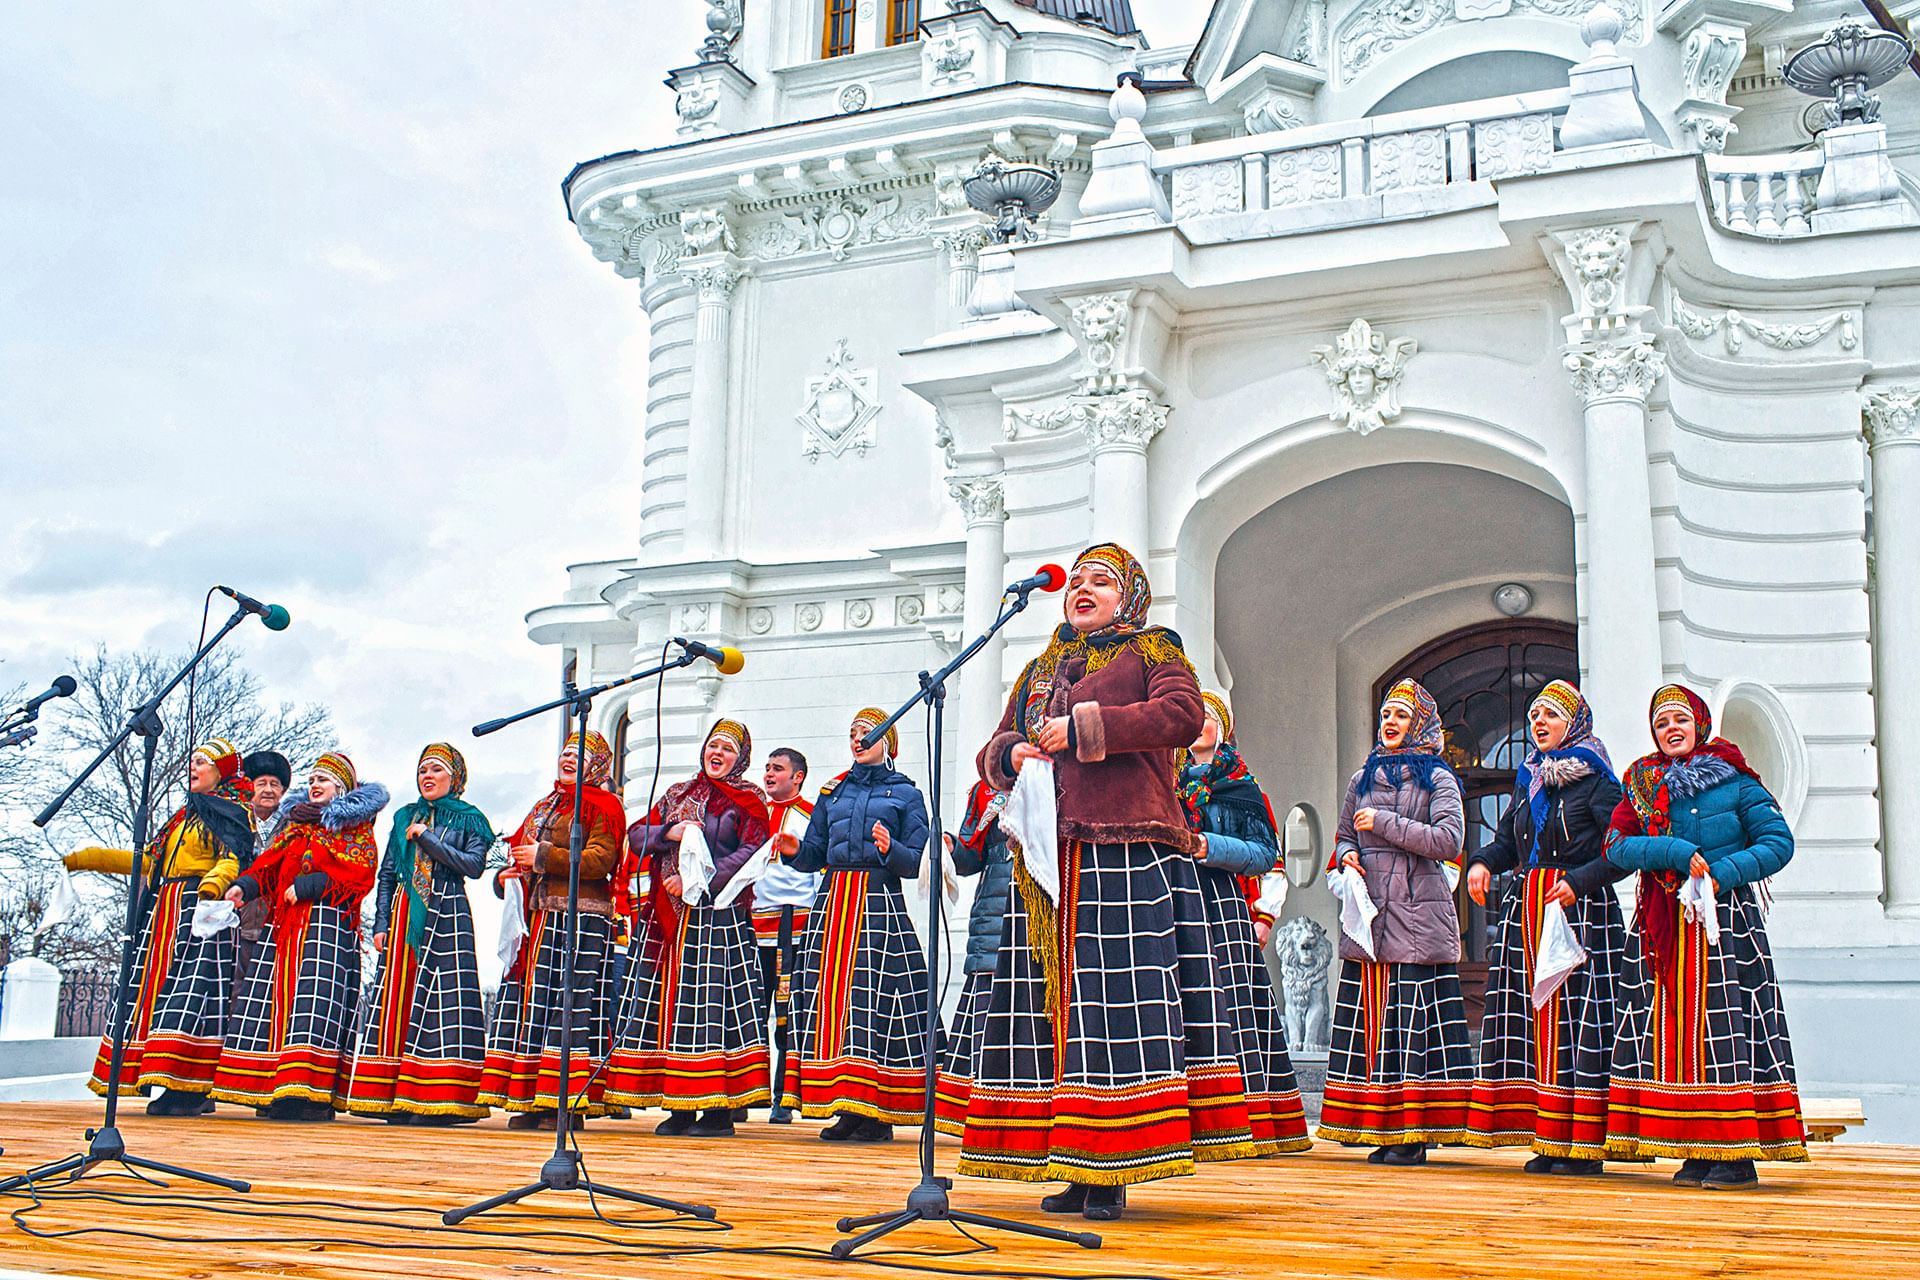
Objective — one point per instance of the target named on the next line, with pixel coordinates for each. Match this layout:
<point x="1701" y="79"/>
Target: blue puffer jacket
<point x="992" y="897"/>
<point x="840" y="833"/>
<point x="1725" y="816"/>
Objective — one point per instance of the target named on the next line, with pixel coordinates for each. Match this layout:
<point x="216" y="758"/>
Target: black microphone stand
<point x="928" y="1201"/>
<point x="106" y="1143"/>
<point x="562" y="1170"/>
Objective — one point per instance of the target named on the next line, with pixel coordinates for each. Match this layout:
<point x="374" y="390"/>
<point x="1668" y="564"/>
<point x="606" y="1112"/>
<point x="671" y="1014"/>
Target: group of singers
<point x="1117" y="1023"/>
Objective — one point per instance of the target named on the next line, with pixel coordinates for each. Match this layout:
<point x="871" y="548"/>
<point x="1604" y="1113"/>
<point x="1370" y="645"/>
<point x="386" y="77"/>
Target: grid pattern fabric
<point x="291" y="1031"/>
<point x="1543" y="1073"/>
<point x="955" y="1082"/>
<point x="531" y="1015"/>
<point x="1400" y="1070"/>
<point x="1274" y="1110"/>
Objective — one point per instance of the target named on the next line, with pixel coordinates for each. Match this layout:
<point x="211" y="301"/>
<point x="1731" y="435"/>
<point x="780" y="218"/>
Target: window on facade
<point x="836" y="31"/>
<point x="903" y="21"/>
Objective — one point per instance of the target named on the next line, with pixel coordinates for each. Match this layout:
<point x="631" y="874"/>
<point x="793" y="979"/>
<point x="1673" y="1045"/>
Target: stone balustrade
<point x="1772" y="195"/>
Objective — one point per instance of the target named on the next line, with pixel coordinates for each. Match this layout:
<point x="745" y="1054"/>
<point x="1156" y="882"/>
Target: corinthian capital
<point x="714" y="280"/>
<point x="1121" y="422"/>
<point x="982" y="499"/>
<point x="1892" y="416"/>
<point x="1615" y="371"/>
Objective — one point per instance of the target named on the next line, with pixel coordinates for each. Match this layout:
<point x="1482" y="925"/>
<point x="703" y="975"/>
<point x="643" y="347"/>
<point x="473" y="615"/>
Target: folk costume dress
<point x="860" y="996"/>
<point x="782" y="904"/>
<point x="292" y="1031"/>
<point x="178" y="1021"/>
<point x="539" y="1001"/>
<point x="691" y="1034"/>
<point x="979" y="849"/>
<point x="425" y="1035"/>
<point x="1107" y="1054"/>
<point x="1544" y="1073"/>
<point x="1703" y="1065"/>
<point x="1400" y="1072"/>
<point x="1223" y="801"/>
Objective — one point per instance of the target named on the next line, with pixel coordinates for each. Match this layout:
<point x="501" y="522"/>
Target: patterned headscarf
<point x="599" y="762"/>
<point x="1128" y="628"/>
<point x="1419" y="752"/>
<point x="336" y="766"/>
<point x="1219" y="713"/>
<point x="873" y="718"/>
<point x="449" y="755"/>
<point x="1225" y="777"/>
<point x="1578" y="754"/>
<point x="736" y="733"/>
<point x="222" y="755"/>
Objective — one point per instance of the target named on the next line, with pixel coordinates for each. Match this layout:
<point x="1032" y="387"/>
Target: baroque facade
<point x="1482" y="340"/>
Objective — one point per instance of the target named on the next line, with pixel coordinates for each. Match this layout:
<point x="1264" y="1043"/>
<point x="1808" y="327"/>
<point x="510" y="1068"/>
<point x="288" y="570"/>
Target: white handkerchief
<point x="1557" y="956"/>
<point x="1696" y="900"/>
<point x="211" y="915"/>
<point x="696" y="866"/>
<point x="1273" y="894"/>
<point x="62" y="904"/>
<point x="513" y="920"/>
<point x="1356" y="907"/>
<point x="1032" y="823"/>
<point x="755" y="867"/>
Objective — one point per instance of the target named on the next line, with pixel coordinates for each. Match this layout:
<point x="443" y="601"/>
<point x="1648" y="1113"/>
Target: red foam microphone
<point x="1050" y="578"/>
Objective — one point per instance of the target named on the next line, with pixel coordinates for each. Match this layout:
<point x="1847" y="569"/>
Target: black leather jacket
<point x="457" y="856"/>
<point x="1571" y="841"/>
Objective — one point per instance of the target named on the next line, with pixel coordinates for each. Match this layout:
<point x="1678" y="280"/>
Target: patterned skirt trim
<point x="521" y="1070"/>
<point x="954" y="1084"/>
<point x="1275" y="1113"/>
<point x="424" y="1042"/>
<point x="293" y="1028"/>
<point x="1400" y="1070"/>
<point x="177" y="1025"/>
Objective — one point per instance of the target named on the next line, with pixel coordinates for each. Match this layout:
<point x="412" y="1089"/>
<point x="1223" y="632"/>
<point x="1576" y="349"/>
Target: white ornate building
<point x="1480" y="340"/>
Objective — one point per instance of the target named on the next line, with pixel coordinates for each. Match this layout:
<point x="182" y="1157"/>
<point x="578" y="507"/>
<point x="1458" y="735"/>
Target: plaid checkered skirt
<point x="691" y="1034"/>
<point x="1703" y="1065"/>
<point x="291" y="1032"/>
<point x="1107" y="1052"/>
<point x="521" y="1071"/>
<point x="1274" y="1109"/>
<point x="859" y="1005"/>
<point x="1400" y="1070"/>
<point x="424" y="1036"/>
<point x="954" y="1084"/>
<point x="182" y="988"/>
<point x="1543" y="1072"/>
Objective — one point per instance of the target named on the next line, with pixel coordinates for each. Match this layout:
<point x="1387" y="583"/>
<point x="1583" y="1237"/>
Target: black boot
<point x="677" y="1124"/>
<point x="1406" y="1155"/>
<point x="1105" y="1204"/>
<point x="1578" y="1168"/>
<point x="717" y="1123"/>
<point x="1539" y="1164"/>
<point x="178" y="1102"/>
<point x="780" y="1114"/>
<point x="1072" y="1200"/>
<point x="1378" y="1155"/>
<point x="1691" y="1172"/>
<point x="844" y="1127"/>
<point x="871" y="1130"/>
<point x="1731" y="1175"/>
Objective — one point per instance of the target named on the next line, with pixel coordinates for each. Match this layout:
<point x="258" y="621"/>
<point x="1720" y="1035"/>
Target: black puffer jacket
<point x="1571" y="841"/>
<point x="984" y="854"/>
<point x="457" y="856"/>
<point x="840" y="833"/>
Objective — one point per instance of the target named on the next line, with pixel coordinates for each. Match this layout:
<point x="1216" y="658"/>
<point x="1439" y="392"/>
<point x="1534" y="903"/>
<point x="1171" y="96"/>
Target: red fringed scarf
<point x="1645" y="811"/>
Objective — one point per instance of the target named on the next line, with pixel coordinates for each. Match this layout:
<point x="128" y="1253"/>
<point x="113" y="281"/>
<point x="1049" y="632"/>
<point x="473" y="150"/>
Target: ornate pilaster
<point x="982" y="499"/>
<point x="1710" y="54"/>
<point x="959" y="248"/>
<point x="1605" y="373"/>
<point x="1891" y="423"/>
<point x="1102" y="321"/>
<point x="714" y="279"/>
<point x="983" y="502"/>
<point x="1125" y="423"/>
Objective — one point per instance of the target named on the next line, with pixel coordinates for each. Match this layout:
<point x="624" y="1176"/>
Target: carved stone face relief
<point x="1364" y="370"/>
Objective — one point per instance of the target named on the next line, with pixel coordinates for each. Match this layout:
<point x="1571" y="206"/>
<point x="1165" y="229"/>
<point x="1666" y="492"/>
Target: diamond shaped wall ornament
<point x="840" y="408"/>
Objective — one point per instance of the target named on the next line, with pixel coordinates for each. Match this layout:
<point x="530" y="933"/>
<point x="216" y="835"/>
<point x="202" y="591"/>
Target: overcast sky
<point x="289" y="301"/>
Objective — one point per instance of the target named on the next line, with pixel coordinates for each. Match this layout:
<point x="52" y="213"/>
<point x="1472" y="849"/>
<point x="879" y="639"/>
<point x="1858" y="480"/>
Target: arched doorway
<point x="1483" y="678"/>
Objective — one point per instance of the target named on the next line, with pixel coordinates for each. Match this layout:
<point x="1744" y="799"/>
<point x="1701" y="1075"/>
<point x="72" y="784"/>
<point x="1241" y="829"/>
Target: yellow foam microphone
<point x="727" y="658"/>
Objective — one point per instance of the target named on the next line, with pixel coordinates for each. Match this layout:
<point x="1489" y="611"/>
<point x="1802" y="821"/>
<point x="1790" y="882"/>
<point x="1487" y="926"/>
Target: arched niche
<point x="1301" y="852"/>
<point x="1752" y="716"/>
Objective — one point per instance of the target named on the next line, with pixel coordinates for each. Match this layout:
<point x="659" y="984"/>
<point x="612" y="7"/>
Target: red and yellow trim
<point x="389" y="1079"/>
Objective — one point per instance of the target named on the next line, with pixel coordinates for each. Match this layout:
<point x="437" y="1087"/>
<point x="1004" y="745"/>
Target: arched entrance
<point x="1483" y="678"/>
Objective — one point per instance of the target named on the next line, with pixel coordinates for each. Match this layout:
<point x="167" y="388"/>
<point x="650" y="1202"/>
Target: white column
<point x="1893" y="443"/>
<point x="1120" y="427"/>
<point x="982" y="501"/>
<point x="714" y="280"/>
<point x="1623" y="659"/>
<point x="961" y="250"/>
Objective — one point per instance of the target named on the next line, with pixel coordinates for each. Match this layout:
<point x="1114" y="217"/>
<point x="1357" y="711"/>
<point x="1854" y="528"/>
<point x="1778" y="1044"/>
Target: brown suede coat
<point x="1130" y="719"/>
<point x="598" y="858"/>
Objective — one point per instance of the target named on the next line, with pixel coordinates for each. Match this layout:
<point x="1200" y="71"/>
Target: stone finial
<point x="1601" y="29"/>
<point x="1128" y="107"/>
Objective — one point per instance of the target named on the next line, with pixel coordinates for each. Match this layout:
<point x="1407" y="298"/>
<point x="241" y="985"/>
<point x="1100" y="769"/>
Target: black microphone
<point x="273" y="616"/>
<point x="63" y="687"/>
<point x="727" y="658"/>
<point x="1050" y="578"/>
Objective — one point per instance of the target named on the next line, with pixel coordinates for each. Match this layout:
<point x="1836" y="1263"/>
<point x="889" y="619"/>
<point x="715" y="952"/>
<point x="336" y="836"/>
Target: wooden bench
<point x="1828" y="1118"/>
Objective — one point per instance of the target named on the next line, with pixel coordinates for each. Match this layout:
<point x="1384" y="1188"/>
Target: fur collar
<point x="1697" y="776"/>
<point x="356" y="808"/>
<point x="1560" y="771"/>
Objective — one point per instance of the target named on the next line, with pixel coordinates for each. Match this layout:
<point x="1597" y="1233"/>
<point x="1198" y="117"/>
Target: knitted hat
<point x="449" y="755"/>
<point x="222" y="755"/>
<point x="871" y="718"/>
<point x="336" y="766"/>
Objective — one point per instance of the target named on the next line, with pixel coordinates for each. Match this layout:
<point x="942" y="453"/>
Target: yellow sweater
<point x="189" y="852"/>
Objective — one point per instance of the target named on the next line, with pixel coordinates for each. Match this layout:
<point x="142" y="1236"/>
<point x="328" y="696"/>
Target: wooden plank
<point x="1467" y="1214"/>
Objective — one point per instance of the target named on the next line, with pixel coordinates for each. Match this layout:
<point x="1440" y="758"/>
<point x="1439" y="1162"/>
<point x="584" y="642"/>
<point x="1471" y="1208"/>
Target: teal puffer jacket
<point x="1725" y="816"/>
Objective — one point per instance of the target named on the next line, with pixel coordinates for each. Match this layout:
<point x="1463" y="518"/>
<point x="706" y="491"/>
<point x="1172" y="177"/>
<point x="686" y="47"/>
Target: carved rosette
<point x="982" y="500"/>
<point x="1124" y="423"/>
<point x="1606" y="372"/>
<point x="1892" y="417"/>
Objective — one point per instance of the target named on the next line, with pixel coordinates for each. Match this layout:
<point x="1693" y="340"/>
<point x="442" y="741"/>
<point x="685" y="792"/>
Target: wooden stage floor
<point x="1855" y="1210"/>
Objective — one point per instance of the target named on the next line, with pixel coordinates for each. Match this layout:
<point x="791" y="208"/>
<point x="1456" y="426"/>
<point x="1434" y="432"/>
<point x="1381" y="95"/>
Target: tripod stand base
<point x="929" y="1202"/>
<point x="107" y="1146"/>
<point x="561" y="1172"/>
